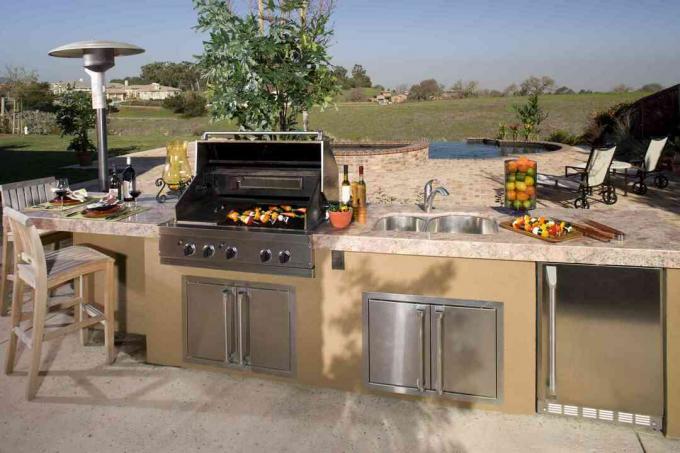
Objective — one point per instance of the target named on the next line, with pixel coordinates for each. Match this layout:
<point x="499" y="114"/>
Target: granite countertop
<point x="144" y="224"/>
<point x="651" y="240"/>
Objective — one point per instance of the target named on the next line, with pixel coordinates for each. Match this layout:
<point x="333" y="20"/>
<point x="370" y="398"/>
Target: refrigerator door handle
<point x="551" y="277"/>
<point x="420" y="381"/>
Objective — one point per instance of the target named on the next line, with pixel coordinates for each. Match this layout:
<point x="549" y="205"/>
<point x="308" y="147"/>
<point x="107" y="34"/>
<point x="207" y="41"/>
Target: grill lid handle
<point x="317" y="134"/>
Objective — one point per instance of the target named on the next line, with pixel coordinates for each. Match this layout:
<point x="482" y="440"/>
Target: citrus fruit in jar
<point x="531" y="171"/>
<point x="522" y="166"/>
<point x="517" y="204"/>
<point x="510" y="186"/>
<point x="527" y="204"/>
<point x="511" y="177"/>
<point x="531" y="191"/>
<point x="532" y="164"/>
<point x="520" y="186"/>
<point x="512" y="166"/>
<point x="511" y="195"/>
<point x="522" y="196"/>
<point x="529" y="180"/>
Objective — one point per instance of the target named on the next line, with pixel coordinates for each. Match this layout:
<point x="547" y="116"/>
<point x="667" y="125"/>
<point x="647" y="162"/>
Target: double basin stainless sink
<point x="453" y="223"/>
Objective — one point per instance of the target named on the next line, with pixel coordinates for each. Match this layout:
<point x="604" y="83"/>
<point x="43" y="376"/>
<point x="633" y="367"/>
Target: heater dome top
<point x="80" y="48"/>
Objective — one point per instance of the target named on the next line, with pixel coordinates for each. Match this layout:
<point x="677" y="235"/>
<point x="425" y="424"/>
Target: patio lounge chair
<point x="647" y="167"/>
<point x="582" y="181"/>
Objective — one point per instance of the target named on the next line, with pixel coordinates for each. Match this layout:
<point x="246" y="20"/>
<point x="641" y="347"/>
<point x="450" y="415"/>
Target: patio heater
<point x="98" y="57"/>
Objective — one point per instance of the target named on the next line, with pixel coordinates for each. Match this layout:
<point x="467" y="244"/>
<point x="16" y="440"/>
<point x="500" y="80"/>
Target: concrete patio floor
<point x="83" y="405"/>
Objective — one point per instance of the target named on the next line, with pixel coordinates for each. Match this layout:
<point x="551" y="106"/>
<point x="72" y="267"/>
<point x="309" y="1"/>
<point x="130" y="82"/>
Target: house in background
<point x="121" y="92"/>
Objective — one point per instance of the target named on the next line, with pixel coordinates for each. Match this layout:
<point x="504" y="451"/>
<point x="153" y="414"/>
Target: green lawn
<point x="139" y="128"/>
<point x="36" y="156"/>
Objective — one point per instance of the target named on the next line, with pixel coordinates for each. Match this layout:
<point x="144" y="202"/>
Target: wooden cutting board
<point x="574" y="234"/>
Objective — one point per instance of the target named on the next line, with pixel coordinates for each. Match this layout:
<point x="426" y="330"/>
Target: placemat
<point x="120" y="215"/>
<point x="47" y="206"/>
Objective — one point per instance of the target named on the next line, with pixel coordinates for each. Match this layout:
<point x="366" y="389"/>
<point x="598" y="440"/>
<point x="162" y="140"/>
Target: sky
<point x="583" y="44"/>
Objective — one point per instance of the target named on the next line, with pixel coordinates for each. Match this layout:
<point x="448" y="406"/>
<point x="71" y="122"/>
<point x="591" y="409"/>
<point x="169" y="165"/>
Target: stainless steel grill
<point x="253" y="204"/>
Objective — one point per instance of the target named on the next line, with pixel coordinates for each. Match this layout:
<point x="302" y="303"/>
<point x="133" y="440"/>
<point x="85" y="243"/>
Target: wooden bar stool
<point x="43" y="272"/>
<point x="19" y="195"/>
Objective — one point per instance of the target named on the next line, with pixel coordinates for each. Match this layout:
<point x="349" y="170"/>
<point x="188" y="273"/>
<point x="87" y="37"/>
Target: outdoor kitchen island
<point x="496" y="271"/>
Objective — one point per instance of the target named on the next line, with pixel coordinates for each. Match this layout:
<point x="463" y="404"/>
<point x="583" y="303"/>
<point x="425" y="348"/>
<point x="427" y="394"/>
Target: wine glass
<point x="134" y="193"/>
<point x="61" y="190"/>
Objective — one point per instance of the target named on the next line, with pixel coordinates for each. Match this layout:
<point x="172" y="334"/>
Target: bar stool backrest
<point x="28" y="248"/>
<point x="653" y="153"/>
<point x="18" y="195"/>
<point x="598" y="165"/>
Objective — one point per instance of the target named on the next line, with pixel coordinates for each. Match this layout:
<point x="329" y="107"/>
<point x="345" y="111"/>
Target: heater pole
<point x="102" y="152"/>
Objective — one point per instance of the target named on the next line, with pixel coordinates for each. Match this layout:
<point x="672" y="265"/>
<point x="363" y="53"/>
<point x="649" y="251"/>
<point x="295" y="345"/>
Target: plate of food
<point x="64" y="200"/>
<point x="546" y="229"/>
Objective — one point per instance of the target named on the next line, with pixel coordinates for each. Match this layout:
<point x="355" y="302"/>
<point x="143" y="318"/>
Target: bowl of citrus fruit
<point x="520" y="184"/>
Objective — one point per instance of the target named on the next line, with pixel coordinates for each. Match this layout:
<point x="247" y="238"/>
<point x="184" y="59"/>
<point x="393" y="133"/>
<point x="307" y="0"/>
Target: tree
<point x="536" y="85"/>
<point x="511" y="90"/>
<point x="466" y="89"/>
<point x="357" y="95"/>
<point x="531" y="116"/>
<point x="184" y="75"/>
<point x="621" y="88"/>
<point x="564" y="90"/>
<point x="651" y="87"/>
<point x="425" y="90"/>
<point x="340" y="74"/>
<point x="360" y="77"/>
<point x="264" y="77"/>
<point x="133" y="80"/>
<point x="75" y="116"/>
<point x="23" y="85"/>
<point x="189" y="104"/>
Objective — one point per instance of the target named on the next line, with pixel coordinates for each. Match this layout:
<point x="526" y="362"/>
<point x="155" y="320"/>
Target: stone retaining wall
<point x="379" y="157"/>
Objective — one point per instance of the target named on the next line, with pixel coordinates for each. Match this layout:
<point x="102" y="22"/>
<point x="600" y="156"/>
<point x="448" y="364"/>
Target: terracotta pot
<point x="340" y="220"/>
<point x="84" y="158"/>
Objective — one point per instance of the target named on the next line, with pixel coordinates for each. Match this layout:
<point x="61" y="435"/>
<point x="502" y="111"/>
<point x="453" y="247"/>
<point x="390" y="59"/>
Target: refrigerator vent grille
<point x="601" y="414"/>
<point x="625" y="417"/>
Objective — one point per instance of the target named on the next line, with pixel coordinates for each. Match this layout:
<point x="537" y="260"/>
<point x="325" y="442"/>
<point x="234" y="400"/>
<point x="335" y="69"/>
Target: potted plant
<point x="340" y="215"/>
<point x="75" y="117"/>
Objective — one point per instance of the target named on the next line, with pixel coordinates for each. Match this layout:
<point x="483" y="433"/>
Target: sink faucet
<point x="429" y="194"/>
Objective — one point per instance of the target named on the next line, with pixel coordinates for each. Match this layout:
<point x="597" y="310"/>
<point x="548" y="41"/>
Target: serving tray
<point x="574" y="234"/>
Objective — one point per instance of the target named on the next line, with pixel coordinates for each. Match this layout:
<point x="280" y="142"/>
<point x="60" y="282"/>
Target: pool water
<point x="464" y="150"/>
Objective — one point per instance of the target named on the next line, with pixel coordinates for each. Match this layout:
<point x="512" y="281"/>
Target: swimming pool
<point x="466" y="150"/>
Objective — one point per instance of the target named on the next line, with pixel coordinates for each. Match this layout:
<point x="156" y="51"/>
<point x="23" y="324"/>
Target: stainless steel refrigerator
<point x="600" y="343"/>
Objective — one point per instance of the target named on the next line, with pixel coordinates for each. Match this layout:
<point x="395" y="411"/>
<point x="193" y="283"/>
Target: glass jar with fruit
<point x="520" y="184"/>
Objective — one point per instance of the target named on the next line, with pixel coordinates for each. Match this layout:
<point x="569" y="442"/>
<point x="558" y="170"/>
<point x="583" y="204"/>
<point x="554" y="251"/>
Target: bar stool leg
<point x="79" y="313"/>
<point x="5" y="271"/>
<point x="39" y="309"/>
<point x="17" y="303"/>
<point x="109" y="309"/>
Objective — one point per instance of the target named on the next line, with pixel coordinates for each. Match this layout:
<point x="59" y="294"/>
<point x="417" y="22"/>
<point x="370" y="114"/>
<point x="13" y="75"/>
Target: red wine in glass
<point x="134" y="193"/>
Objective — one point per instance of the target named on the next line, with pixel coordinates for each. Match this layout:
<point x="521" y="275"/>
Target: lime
<point x="511" y="177"/>
<point x="531" y="171"/>
<point x="517" y="204"/>
<point x="527" y="204"/>
<point x="520" y="176"/>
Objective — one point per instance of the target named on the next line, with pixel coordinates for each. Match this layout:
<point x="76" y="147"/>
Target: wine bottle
<point x="346" y="188"/>
<point x="362" y="188"/>
<point x="129" y="181"/>
<point x="114" y="183"/>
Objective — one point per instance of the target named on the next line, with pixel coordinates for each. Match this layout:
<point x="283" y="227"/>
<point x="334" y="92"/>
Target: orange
<point x="532" y="164"/>
<point x="512" y="166"/>
<point x="520" y="186"/>
<point x="522" y="196"/>
<point x="522" y="167"/>
<point x="511" y="195"/>
<point x="531" y="191"/>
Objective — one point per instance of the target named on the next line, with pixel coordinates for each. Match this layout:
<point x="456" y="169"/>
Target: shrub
<point x="357" y="95"/>
<point x="561" y="136"/>
<point x="502" y="131"/>
<point x="40" y="123"/>
<point x="531" y="116"/>
<point x="189" y="104"/>
<point x="604" y="127"/>
<point x="76" y="117"/>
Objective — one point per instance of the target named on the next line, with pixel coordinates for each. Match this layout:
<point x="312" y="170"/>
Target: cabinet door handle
<point x="440" y="347"/>
<point x="551" y="275"/>
<point x="228" y="297"/>
<point x="420" y="382"/>
<point x="241" y="340"/>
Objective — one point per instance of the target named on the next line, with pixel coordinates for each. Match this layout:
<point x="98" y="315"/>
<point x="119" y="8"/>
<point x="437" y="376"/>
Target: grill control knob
<point x="189" y="249"/>
<point x="208" y="250"/>
<point x="231" y="252"/>
<point x="265" y="255"/>
<point x="284" y="256"/>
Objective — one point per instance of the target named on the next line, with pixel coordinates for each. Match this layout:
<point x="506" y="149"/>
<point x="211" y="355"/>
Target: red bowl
<point x="339" y="219"/>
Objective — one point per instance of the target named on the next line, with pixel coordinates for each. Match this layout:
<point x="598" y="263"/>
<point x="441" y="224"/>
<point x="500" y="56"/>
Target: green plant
<point x="337" y="206"/>
<point x="76" y="117"/>
<point x="264" y="77"/>
<point x="502" y="131"/>
<point x="190" y="104"/>
<point x="561" y="136"/>
<point x="514" y="131"/>
<point x="531" y="116"/>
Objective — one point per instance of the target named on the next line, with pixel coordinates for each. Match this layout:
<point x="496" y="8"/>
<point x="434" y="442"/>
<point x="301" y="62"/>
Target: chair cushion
<point x="557" y="181"/>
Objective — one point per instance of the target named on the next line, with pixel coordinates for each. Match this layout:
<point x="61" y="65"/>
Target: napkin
<point x="80" y="194"/>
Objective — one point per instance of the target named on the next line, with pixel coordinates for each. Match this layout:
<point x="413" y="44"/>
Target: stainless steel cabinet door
<point x="267" y="317"/>
<point x="398" y="344"/>
<point x="464" y="355"/>
<point x="205" y="321"/>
